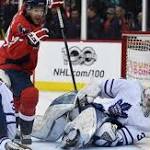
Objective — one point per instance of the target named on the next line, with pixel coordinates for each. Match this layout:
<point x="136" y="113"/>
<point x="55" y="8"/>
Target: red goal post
<point x="135" y="62"/>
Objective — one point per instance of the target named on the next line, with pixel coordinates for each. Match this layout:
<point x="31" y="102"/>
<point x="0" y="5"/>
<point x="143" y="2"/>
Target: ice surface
<point x="39" y="145"/>
<point x="45" y="100"/>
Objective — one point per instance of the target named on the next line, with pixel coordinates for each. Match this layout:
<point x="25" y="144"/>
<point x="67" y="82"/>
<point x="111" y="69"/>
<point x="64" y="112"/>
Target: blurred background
<point x="103" y="19"/>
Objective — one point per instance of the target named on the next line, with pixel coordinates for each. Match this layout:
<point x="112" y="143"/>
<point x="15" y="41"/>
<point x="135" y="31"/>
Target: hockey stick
<point x="66" y="46"/>
<point x="68" y="55"/>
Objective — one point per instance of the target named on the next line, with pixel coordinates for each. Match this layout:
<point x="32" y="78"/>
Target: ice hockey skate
<point x="26" y="139"/>
<point x="16" y="146"/>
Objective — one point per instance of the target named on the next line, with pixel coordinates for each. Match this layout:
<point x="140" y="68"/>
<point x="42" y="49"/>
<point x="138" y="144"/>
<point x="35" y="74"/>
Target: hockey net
<point x="136" y="57"/>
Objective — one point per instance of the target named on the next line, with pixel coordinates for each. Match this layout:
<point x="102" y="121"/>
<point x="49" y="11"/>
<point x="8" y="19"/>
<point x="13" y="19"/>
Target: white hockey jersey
<point x="6" y="101"/>
<point x="126" y="98"/>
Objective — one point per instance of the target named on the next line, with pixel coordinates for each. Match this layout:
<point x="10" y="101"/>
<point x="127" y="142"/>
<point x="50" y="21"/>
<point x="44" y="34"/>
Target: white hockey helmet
<point x="5" y="78"/>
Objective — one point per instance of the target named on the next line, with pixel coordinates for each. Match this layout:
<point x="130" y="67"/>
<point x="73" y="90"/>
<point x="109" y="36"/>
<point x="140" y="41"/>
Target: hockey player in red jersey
<point x="18" y="58"/>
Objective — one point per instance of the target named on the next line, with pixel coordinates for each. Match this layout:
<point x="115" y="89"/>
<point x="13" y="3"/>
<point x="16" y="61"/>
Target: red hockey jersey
<point x="16" y="53"/>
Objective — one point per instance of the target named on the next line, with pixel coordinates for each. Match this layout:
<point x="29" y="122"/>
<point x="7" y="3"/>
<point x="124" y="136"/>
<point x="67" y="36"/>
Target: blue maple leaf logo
<point x="119" y="109"/>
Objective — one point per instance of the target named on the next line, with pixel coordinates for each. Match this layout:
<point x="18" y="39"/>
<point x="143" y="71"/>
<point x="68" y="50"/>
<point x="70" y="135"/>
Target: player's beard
<point x="38" y="20"/>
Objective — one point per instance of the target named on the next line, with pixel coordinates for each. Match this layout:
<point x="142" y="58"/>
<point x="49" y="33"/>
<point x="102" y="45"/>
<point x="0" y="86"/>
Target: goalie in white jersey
<point x="7" y="116"/>
<point x="124" y="120"/>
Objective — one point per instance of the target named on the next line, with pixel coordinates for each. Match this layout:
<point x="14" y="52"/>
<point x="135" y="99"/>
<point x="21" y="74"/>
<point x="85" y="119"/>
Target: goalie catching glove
<point x="35" y="37"/>
<point x="55" y="3"/>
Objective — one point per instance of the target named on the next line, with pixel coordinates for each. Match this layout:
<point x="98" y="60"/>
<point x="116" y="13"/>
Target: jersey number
<point x="140" y="136"/>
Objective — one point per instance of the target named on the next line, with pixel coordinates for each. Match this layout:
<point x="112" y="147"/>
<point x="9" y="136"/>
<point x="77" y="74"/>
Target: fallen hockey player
<point x="7" y="117"/>
<point x="112" y="123"/>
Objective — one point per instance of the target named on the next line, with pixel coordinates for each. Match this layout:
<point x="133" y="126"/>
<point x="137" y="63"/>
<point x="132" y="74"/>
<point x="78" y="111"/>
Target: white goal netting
<point x="136" y="57"/>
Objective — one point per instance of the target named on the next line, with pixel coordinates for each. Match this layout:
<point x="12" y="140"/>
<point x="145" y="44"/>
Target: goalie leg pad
<point x="51" y="126"/>
<point x="57" y="128"/>
<point x="85" y="123"/>
<point x="50" y="130"/>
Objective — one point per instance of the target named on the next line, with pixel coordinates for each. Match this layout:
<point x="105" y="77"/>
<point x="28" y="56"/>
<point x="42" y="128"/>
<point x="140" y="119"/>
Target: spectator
<point x="130" y="20"/>
<point x="1" y="33"/>
<point x="52" y="23"/>
<point x="68" y="8"/>
<point x="94" y="23"/>
<point x="73" y="24"/>
<point x="111" y="26"/>
<point x="1" y="20"/>
<point x="138" y="24"/>
<point x="120" y="17"/>
<point x="9" y="9"/>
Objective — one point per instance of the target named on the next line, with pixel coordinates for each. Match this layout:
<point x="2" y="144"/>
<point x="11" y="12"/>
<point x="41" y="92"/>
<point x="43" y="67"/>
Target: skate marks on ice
<point x="42" y="145"/>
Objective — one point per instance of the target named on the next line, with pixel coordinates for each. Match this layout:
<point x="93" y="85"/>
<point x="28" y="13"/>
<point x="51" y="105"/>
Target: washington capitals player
<point x="7" y="116"/>
<point x="123" y="120"/>
<point x="18" y="58"/>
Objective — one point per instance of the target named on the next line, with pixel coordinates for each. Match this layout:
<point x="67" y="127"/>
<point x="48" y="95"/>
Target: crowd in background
<point x="106" y="19"/>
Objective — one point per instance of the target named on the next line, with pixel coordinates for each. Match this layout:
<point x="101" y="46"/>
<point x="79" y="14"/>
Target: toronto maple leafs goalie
<point x="123" y="120"/>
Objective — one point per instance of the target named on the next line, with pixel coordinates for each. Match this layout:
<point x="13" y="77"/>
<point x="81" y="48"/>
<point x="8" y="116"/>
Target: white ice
<point x="45" y="100"/>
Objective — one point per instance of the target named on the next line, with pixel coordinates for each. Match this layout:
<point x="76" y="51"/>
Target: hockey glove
<point x="55" y="3"/>
<point x="35" y="37"/>
<point x="119" y="109"/>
